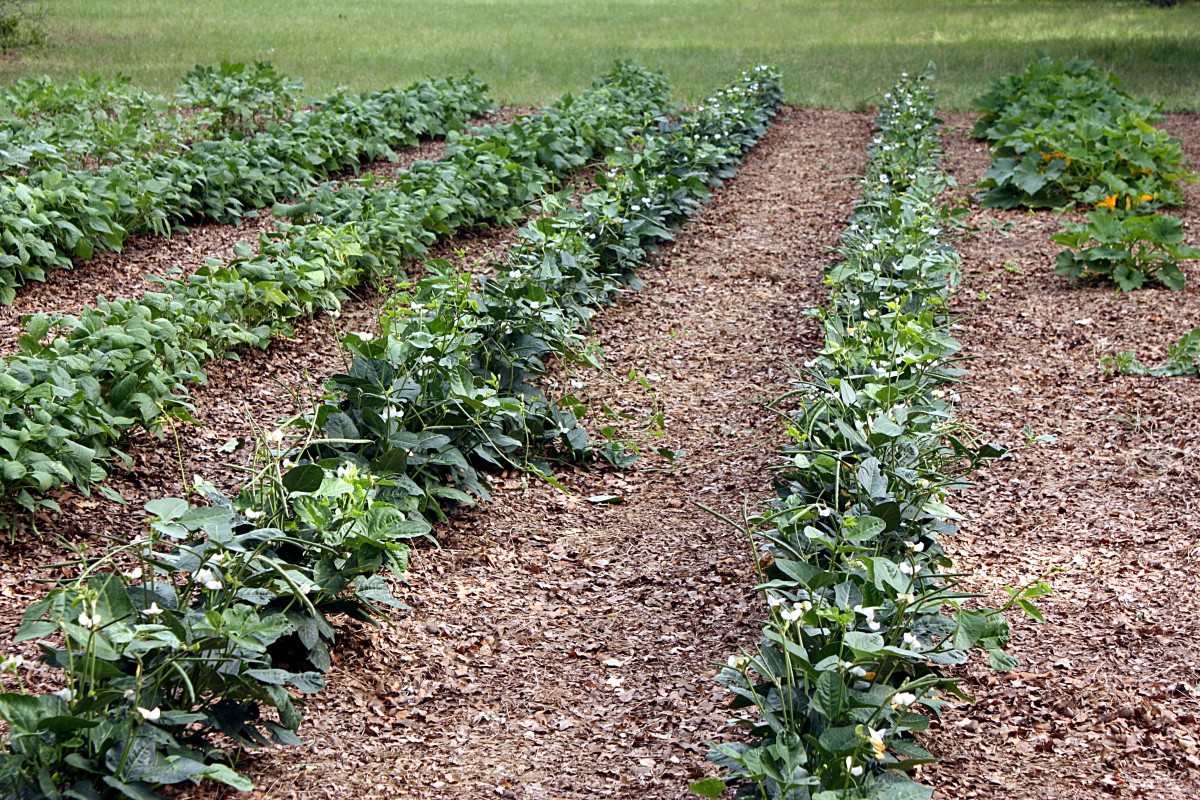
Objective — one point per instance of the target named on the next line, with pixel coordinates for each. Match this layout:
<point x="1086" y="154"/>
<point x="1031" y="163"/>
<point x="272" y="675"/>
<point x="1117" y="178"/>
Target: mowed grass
<point x="836" y="53"/>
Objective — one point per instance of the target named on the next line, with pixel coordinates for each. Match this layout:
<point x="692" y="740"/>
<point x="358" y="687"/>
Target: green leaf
<point x="306" y="478"/>
<point x="863" y="643"/>
<point x="167" y="508"/>
<point x="709" y="787"/>
<point x="827" y="695"/>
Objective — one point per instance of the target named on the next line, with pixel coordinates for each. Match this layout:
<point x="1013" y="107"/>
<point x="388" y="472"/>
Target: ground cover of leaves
<point x="558" y="648"/>
<point x="1107" y="701"/>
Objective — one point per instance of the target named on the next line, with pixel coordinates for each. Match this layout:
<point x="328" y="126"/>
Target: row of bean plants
<point x="95" y="121"/>
<point x="216" y="619"/>
<point x="50" y="215"/>
<point x="81" y="382"/>
<point x="864" y="611"/>
<point x="1065" y="133"/>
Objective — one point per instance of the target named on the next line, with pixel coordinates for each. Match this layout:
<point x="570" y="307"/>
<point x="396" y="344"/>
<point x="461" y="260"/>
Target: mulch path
<point x="559" y="648"/>
<point x="1107" y="700"/>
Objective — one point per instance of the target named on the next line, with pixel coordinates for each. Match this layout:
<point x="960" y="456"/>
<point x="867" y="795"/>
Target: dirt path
<point x="1106" y="703"/>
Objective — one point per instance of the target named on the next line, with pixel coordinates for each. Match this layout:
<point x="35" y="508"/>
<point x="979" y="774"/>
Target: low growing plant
<point x="864" y="609"/>
<point x="1130" y="249"/>
<point x="1063" y="133"/>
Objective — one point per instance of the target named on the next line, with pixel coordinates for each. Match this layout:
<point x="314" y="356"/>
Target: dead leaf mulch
<point x="1107" y="701"/>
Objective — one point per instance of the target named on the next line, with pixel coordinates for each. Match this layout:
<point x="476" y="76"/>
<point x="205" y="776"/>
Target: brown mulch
<point x="1107" y="700"/>
<point x="559" y="648"/>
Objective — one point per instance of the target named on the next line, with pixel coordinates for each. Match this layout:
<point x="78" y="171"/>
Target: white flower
<point x="906" y="598"/>
<point x="11" y="663"/>
<point x="275" y="437"/>
<point x="906" y="568"/>
<point x="66" y="694"/>
<point x="903" y="700"/>
<point x="795" y="613"/>
<point x="91" y="622"/>
<point x="912" y="642"/>
<point x="208" y="579"/>
<point x="366" y="337"/>
<point x="858" y="672"/>
<point x="253" y="514"/>
<point x="869" y="613"/>
<point x="775" y="600"/>
<point x="134" y="573"/>
<point x="347" y="472"/>
<point x="854" y="770"/>
<point x="151" y="714"/>
<point x="514" y="274"/>
<point x="738" y="662"/>
<point x="152" y="611"/>
<point x="308" y="588"/>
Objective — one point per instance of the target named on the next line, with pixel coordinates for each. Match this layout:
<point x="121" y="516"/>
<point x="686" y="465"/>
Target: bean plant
<point x="864" y="611"/>
<point x="54" y="213"/>
<point x="176" y="643"/>
<point x="81" y="382"/>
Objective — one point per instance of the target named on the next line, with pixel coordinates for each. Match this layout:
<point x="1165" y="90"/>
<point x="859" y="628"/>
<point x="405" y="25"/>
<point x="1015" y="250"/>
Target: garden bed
<point x="558" y="647"/>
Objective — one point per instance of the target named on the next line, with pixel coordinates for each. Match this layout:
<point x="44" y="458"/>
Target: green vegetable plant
<point x="1064" y="133"/>
<point x="53" y="213"/>
<point x="240" y="98"/>
<point x="865" y="610"/>
<point x="1128" y="248"/>
<point x="175" y="644"/>
<point x="80" y="383"/>
<point x="1183" y="358"/>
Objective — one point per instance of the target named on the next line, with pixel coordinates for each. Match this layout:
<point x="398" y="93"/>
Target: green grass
<point x="836" y="53"/>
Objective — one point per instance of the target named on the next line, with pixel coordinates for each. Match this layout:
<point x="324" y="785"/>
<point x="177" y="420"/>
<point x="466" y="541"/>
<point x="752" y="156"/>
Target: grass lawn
<point x="834" y="53"/>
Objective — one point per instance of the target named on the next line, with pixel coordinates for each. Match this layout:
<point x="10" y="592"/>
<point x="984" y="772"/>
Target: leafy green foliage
<point x="863" y="611"/>
<point x="80" y="383"/>
<point x="241" y="98"/>
<point x="190" y="644"/>
<point x="1129" y="249"/>
<point x="52" y="214"/>
<point x="1183" y="358"/>
<point x="1064" y="133"/>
